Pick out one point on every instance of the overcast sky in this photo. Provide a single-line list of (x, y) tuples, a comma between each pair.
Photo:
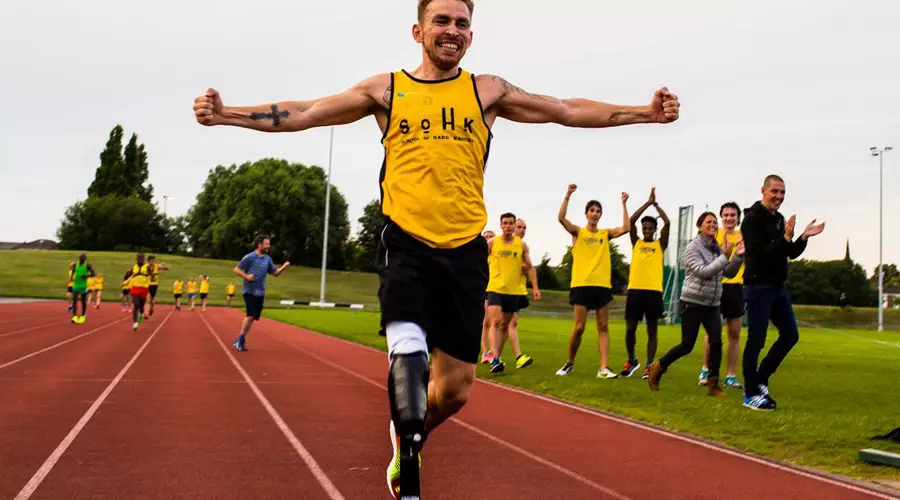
[(801, 88)]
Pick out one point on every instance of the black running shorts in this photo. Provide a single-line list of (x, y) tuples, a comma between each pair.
[(177, 295), (523, 302), (591, 297), (509, 304), (642, 304), (441, 290), (732, 301), (254, 305), (153, 289), (202, 296)]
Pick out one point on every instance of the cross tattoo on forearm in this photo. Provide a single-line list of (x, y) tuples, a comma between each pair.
[(275, 115)]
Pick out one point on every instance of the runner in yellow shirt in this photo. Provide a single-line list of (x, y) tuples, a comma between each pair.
[(126, 295), (98, 290), (154, 280), (177, 290), (192, 291), (591, 286), (229, 292), (204, 291)]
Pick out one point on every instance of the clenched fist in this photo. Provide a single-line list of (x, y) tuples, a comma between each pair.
[(208, 108)]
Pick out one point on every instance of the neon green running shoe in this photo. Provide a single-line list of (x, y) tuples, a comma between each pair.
[(393, 469), (523, 360)]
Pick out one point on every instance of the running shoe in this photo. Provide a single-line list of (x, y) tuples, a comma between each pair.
[(704, 377), (759, 403), (565, 370), (606, 373), (523, 360), (630, 368), (732, 381), (497, 366), (393, 469)]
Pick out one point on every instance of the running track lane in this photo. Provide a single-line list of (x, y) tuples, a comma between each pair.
[(344, 421), (53, 329), (43, 396), (182, 423), (500, 426)]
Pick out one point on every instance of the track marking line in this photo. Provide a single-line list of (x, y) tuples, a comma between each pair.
[(301, 450), (33, 328), (54, 457), (647, 427), (527, 454), (64, 342)]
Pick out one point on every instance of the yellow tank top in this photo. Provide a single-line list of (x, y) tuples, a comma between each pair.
[(590, 259), (140, 276), (523, 284), (229, 289), (733, 238), (71, 279), (154, 275), (126, 284), (98, 282), (178, 287), (204, 286), (91, 283), (192, 287), (436, 147), (646, 271), (507, 270)]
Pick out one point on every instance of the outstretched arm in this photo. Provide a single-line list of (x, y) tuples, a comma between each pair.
[(561, 216), (626, 220), (664, 234), (363, 99), (506, 100)]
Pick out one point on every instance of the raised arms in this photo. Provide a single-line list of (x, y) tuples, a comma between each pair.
[(363, 99), (626, 220), (561, 217), (506, 100)]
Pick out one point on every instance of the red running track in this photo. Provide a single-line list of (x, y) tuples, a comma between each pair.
[(172, 411)]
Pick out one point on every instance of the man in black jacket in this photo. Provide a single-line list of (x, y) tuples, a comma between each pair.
[(769, 243)]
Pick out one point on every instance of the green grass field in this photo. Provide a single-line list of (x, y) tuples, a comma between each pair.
[(41, 273), (835, 391)]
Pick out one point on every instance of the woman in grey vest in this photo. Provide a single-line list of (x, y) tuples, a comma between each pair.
[(704, 264)]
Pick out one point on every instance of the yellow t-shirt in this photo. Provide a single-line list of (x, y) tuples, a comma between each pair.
[(140, 276), (646, 271), (71, 279), (733, 238), (192, 286), (229, 289), (204, 286), (507, 270), (591, 264), (98, 282), (154, 275), (435, 151), (178, 287), (91, 283)]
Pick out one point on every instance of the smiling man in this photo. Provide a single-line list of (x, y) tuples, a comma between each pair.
[(435, 124)]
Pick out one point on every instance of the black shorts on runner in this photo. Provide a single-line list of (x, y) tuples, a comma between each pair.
[(441, 290), (68, 289), (591, 297), (177, 295), (642, 304), (202, 296), (153, 289), (508, 303), (523, 302), (254, 304), (732, 301), (126, 292)]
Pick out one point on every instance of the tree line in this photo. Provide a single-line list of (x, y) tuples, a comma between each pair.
[(286, 201)]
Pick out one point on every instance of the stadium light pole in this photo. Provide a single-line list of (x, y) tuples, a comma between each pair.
[(879, 152), (165, 204), (327, 211)]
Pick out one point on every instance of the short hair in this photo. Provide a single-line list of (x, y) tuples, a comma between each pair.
[(487, 232), (650, 219), (703, 217), (591, 203), (152, 257), (423, 4), (260, 239), (772, 177), (508, 215), (733, 205)]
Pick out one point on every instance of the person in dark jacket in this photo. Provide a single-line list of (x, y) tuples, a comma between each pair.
[(769, 242), (705, 263)]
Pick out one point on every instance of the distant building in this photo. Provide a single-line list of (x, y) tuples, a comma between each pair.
[(30, 245), (892, 298)]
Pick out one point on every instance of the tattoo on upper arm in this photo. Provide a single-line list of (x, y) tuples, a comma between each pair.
[(275, 115), (510, 88), (388, 95)]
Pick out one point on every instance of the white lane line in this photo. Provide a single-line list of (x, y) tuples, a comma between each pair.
[(64, 342), (646, 427), (33, 328), (301, 450), (54, 457), (537, 458)]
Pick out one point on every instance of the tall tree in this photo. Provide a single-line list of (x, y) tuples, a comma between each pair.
[(891, 276), (546, 276), (136, 171), (822, 283), (370, 225), (109, 176), (271, 196), (113, 223)]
